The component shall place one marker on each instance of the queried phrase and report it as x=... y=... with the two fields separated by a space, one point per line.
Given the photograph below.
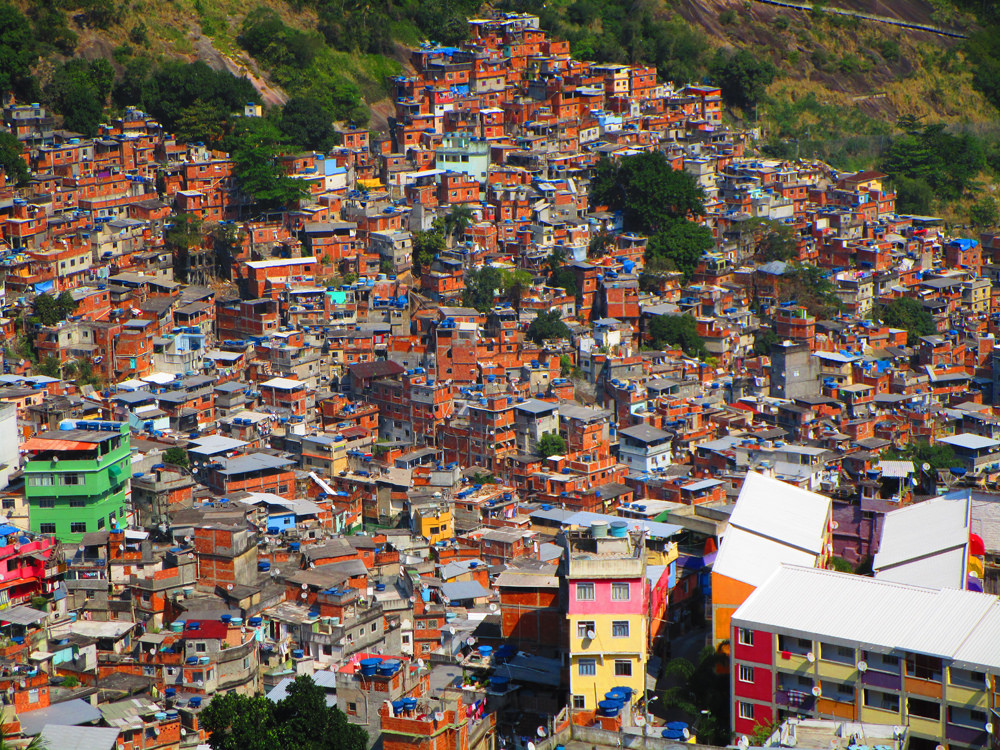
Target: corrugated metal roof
x=772 y=523
x=925 y=543
x=78 y=738
x=896 y=469
x=846 y=609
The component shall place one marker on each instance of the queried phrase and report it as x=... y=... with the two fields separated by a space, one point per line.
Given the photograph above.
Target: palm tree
x=701 y=693
x=7 y=743
x=457 y=221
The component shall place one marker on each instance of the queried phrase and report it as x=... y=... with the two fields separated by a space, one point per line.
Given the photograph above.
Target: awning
x=38 y=444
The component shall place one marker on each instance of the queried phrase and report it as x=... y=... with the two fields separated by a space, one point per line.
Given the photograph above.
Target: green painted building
x=77 y=479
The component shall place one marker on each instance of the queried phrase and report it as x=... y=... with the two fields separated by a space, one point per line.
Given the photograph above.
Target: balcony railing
x=881 y=680
x=795 y=699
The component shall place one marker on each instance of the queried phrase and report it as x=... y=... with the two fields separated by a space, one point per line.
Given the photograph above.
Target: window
x=619 y=629
x=200 y=648
x=619 y=592
x=583 y=627
x=100 y=523
x=923 y=667
x=352 y=708
x=42 y=480
x=880 y=700
x=46 y=502
x=579 y=701
x=744 y=637
x=373 y=627
x=585 y=592
x=623 y=668
x=837 y=691
x=924 y=709
x=77 y=502
x=72 y=479
x=746 y=673
x=840 y=654
x=799 y=646
x=8 y=503
x=586 y=667
x=746 y=710
x=78 y=527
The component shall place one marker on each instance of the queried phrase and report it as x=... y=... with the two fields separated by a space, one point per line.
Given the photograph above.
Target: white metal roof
x=782 y=512
x=847 y=609
x=750 y=558
x=284 y=384
x=278 y=262
x=925 y=544
x=970 y=441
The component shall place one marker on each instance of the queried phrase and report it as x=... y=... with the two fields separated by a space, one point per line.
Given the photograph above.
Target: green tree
x=17 y=51
x=176 y=456
x=184 y=233
x=682 y=243
x=306 y=124
x=482 y=288
x=565 y=365
x=677 y=330
x=49 y=366
x=742 y=76
x=78 y=90
x=265 y=36
x=763 y=340
x=701 y=686
x=50 y=310
x=254 y=149
x=457 y=221
x=547 y=325
x=551 y=444
x=984 y=213
x=648 y=191
x=301 y=721
x=937 y=456
x=427 y=245
x=561 y=277
x=12 y=159
x=202 y=122
x=908 y=314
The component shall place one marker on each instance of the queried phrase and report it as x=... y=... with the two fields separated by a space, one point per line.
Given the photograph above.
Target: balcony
x=973 y=736
x=872 y=678
x=796 y=700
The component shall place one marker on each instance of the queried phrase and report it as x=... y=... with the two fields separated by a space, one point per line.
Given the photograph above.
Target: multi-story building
x=606 y=608
x=78 y=479
x=823 y=644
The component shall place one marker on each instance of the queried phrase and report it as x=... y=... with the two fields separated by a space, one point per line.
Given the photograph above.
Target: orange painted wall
x=727 y=595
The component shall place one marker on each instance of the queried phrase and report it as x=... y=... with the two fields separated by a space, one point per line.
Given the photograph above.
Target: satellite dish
x=926 y=466
x=591 y=634
x=451 y=629
x=834 y=525
x=471 y=641
x=817 y=691
x=229 y=587
x=531 y=746
x=305 y=595
x=152 y=652
x=541 y=731
x=810 y=657
x=862 y=666
x=420 y=663
x=305 y=586
x=493 y=608
x=639 y=720
x=989 y=728
x=413 y=600
x=121 y=547
x=686 y=732
x=312 y=565
x=439 y=716
x=743 y=743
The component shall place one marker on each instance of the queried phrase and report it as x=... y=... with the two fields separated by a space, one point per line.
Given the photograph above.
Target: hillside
x=838 y=88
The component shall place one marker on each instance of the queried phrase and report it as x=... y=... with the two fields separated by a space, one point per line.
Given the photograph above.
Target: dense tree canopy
x=170 y=90
x=50 y=310
x=301 y=721
x=254 y=149
x=306 y=124
x=551 y=444
x=648 y=191
x=909 y=314
x=80 y=90
x=657 y=200
x=742 y=76
x=547 y=325
x=677 y=330
x=561 y=277
x=12 y=159
x=17 y=51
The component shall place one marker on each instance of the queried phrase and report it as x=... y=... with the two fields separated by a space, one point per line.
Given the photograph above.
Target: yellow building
x=434 y=522
x=607 y=609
